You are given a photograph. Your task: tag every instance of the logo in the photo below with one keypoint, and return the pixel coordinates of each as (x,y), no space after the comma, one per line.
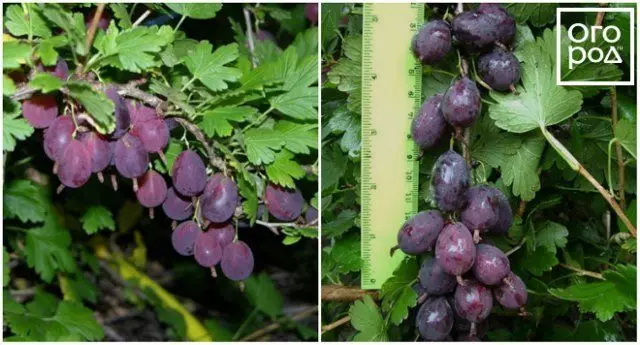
(581,46)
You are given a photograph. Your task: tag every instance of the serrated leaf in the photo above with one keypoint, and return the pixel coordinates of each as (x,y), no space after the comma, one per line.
(333,165)
(98,106)
(46,49)
(120,12)
(210,67)
(23,200)
(14,129)
(48,249)
(539,261)
(250,203)
(46,82)
(283,170)
(14,54)
(261,144)
(134,49)
(341,224)
(78,288)
(520,169)
(367,320)
(96,218)
(551,235)
(625,133)
(262,294)
(8,86)
(347,73)
(540,102)
(23,21)
(218,121)
(346,254)
(196,10)
(43,304)
(299,138)
(397,293)
(539,14)
(299,103)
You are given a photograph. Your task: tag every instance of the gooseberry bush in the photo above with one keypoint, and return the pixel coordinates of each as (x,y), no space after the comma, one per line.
(525,229)
(159,161)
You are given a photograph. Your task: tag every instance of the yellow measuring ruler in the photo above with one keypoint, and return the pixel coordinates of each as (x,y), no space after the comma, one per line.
(391,96)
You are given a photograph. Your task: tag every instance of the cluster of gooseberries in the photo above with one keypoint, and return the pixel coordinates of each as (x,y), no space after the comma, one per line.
(204,204)
(457,286)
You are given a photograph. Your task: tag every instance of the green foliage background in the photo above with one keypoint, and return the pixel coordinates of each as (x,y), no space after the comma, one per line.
(576,257)
(256,111)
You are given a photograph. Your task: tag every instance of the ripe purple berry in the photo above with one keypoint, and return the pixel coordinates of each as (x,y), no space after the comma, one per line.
(429,127)
(418,234)
(432,42)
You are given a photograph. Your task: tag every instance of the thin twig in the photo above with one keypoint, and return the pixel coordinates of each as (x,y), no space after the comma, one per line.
(582,272)
(142,17)
(341,293)
(336,324)
(276,325)
(250,42)
(94,26)
(619,158)
(515,249)
(600,15)
(214,160)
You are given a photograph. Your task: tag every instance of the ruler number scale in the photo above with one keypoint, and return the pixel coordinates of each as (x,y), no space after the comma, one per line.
(391,96)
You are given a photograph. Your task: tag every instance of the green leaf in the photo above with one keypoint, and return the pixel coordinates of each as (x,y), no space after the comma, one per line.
(260,144)
(174,148)
(98,106)
(46,49)
(134,49)
(78,288)
(367,320)
(195,10)
(262,294)
(625,133)
(96,218)
(26,20)
(48,249)
(630,212)
(346,254)
(6,270)
(120,12)
(333,166)
(250,196)
(24,200)
(397,293)
(605,298)
(8,86)
(539,261)
(551,235)
(299,103)
(78,322)
(520,169)
(209,67)
(14,129)
(540,102)
(347,73)
(218,121)
(299,138)
(284,170)
(341,224)
(14,54)
(46,82)
(537,14)
(43,304)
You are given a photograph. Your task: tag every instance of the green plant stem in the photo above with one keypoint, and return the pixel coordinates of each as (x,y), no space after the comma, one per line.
(15,228)
(259,119)
(244,325)
(179,23)
(619,158)
(187,84)
(582,272)
(576,166)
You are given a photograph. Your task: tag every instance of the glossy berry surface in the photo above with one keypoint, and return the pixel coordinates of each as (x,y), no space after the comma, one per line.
(75,165)
(450,181)
(461,103)
(189,174)
(153,133)
(432,42)
(184,237)
(310,215)
(177,207)
(237,261)
(455,250)
(40,110)
(60,70)
(511,293)
(283,203)
(473,301)
(58,136)
(418,234)
(434,280)
(207,250)
(501,20)
(491,264)
(505,214)
(130,156)
(429,127)
(152,189)
(224,233)
(499,69)
(219,199)
(99,149)
(435,319)
(481,212)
